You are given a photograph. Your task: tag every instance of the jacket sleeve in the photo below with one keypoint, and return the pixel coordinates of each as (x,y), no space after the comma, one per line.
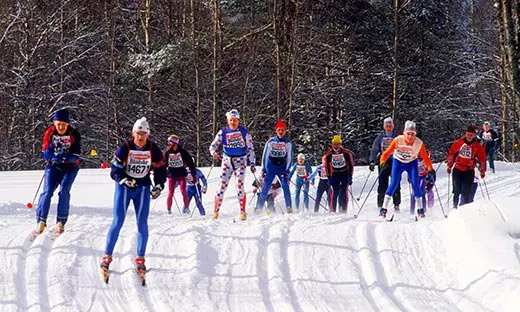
(291,172)
(325,161)
(386,154)
(482,158)
(265,154)
(309,170)
(376,146)
(426,158)
(75,149)
(189,161)
(216,143)
(117,169)
(202,178)
(250,149)
(315,172)
(289,155)
(159,166)
(351,161)
(47,144)
(452,154)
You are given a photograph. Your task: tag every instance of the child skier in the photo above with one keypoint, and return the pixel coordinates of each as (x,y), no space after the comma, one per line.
(303,171)
(426,183)
(195,190)
(323,185)
(274,191)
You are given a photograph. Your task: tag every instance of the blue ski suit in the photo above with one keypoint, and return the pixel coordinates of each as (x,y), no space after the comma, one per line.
(303,172)
(195,190)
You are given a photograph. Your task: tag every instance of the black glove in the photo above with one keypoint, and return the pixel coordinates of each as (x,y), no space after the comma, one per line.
(432,174)
(384,165)
(156,191)
(253,168)
(372,166)
(130,183)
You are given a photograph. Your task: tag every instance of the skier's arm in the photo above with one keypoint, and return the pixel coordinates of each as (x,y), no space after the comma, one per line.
(75,148)
(308,170)
(265,154)
(289,155)
(216,143)
(250,150)
(424,155)
(452,154)
(159,166)
(189,161)
(376,146)
(351,163)
(325,162)
(48,145)
(202,178)
(117,169)
(386,154)
(482,158)
(315,172)
(291,172)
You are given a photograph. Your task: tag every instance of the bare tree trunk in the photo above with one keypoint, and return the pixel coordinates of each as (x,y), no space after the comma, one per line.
(216,56)
(278,74)
(512,57)
(112,107)
(145,23)
(194,45)
(294,51)
(396,67)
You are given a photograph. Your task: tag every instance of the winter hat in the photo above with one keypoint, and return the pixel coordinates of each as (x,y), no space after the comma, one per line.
(280,124)
(472,129)
(141,125)
(388,120)
(173,139)
(62,115)
(409,126)
(486,123)
(233,113)
(300,156)
(336,139)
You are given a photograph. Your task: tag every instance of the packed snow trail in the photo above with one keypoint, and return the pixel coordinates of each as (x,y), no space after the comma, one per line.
(291,262)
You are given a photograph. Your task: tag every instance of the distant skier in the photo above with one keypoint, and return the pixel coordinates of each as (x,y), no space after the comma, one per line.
(405,149)
(178,159)
(339,165)
(303,171)
(380,144)
(490,141)
(323,185)
(195,190)
(238,151)
(61,149)
(133,161)
(276,162)
(463,157)
(426,182)
(274,191)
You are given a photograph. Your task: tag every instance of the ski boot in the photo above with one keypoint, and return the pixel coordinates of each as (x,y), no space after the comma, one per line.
(382,213)
(141,269)
(105,263)
(397,209)
(169,211)
(186,210)
(215,215)
(243,216)
(202,212)
(59,229)
(40,228)
(289,210)
(421,214)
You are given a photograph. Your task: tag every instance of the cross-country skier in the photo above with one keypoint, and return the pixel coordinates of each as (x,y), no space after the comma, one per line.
(339,165)
(489,139)
(131,166)
(405,149)
(380,144)
(61,149)
(195,190)
(275,190)
(303,170)
(178,159)
(323,185)
(276,162)
(238,152)
(463,157)
(426,182)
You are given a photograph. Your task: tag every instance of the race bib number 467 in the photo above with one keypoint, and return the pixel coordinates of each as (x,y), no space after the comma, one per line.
(138,164)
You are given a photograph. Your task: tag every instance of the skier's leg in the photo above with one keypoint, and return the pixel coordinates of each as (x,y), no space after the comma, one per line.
(171,188)
(64,194)
(384,176)
(467,183)
(456,177)
(306,195)
(322,187)
(240,174)
(286,190)
(142,210)
(51,179)
(297,194)
(121,202)
(182,186)
(262,197)
(227,171)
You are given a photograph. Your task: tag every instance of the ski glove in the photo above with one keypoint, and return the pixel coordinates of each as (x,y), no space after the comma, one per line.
(253,168)
(216,156)
(448,170)
(432,175)
(128,182)
(385,165)
(204,190)
(372,166)
(156,191)
(482,174)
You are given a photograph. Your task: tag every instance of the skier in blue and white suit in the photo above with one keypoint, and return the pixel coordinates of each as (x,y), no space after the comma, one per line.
(194,190)
(303,170)
(276,161)
(131,166)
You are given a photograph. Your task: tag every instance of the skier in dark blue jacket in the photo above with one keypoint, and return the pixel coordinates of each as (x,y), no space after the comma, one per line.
(380,144)
(61,149)
(195,190)
(131,167)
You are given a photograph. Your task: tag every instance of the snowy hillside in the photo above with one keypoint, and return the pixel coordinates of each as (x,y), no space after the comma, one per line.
(298,262)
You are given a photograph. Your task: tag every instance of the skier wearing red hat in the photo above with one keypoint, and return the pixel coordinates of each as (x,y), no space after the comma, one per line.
(464,155)
(178,159)
(276,162)
(238,151)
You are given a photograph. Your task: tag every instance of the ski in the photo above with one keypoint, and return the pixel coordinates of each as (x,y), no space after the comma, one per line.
(391,219)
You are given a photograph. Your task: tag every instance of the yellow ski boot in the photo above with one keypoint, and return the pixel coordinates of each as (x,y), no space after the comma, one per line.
(243,216)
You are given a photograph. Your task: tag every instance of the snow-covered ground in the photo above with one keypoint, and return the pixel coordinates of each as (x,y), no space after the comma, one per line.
(300,262)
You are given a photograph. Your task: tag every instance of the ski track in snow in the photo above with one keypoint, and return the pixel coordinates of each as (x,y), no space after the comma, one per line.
(286,262)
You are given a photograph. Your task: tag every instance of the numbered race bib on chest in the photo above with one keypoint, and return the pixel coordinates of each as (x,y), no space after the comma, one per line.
(338,161)
(487,136)
(300,171)
(65,140)
(138,164)
(235,140)
(385,143)
(465,151)
(404,152)
(323,173)
(278,150)
(175,160)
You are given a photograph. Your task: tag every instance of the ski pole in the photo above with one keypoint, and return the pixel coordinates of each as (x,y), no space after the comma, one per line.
(352,195)
(314,199)
(485,186)
(440,201)
(326,209)
(179,209)
(370,191)
(30,205)
(448,201)
(481,189)
(363,188)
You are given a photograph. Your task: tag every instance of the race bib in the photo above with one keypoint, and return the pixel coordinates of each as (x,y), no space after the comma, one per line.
(487,136)
(138,163)
(278,150)
(175,160)
(385,143)
(235,140)
(465,151)
(338,161)
(404,152)
(189,179)
(301,172)
(323,173)
(64,140)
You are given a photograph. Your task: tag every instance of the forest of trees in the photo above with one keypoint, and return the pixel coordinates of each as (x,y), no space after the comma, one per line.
(324,66)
